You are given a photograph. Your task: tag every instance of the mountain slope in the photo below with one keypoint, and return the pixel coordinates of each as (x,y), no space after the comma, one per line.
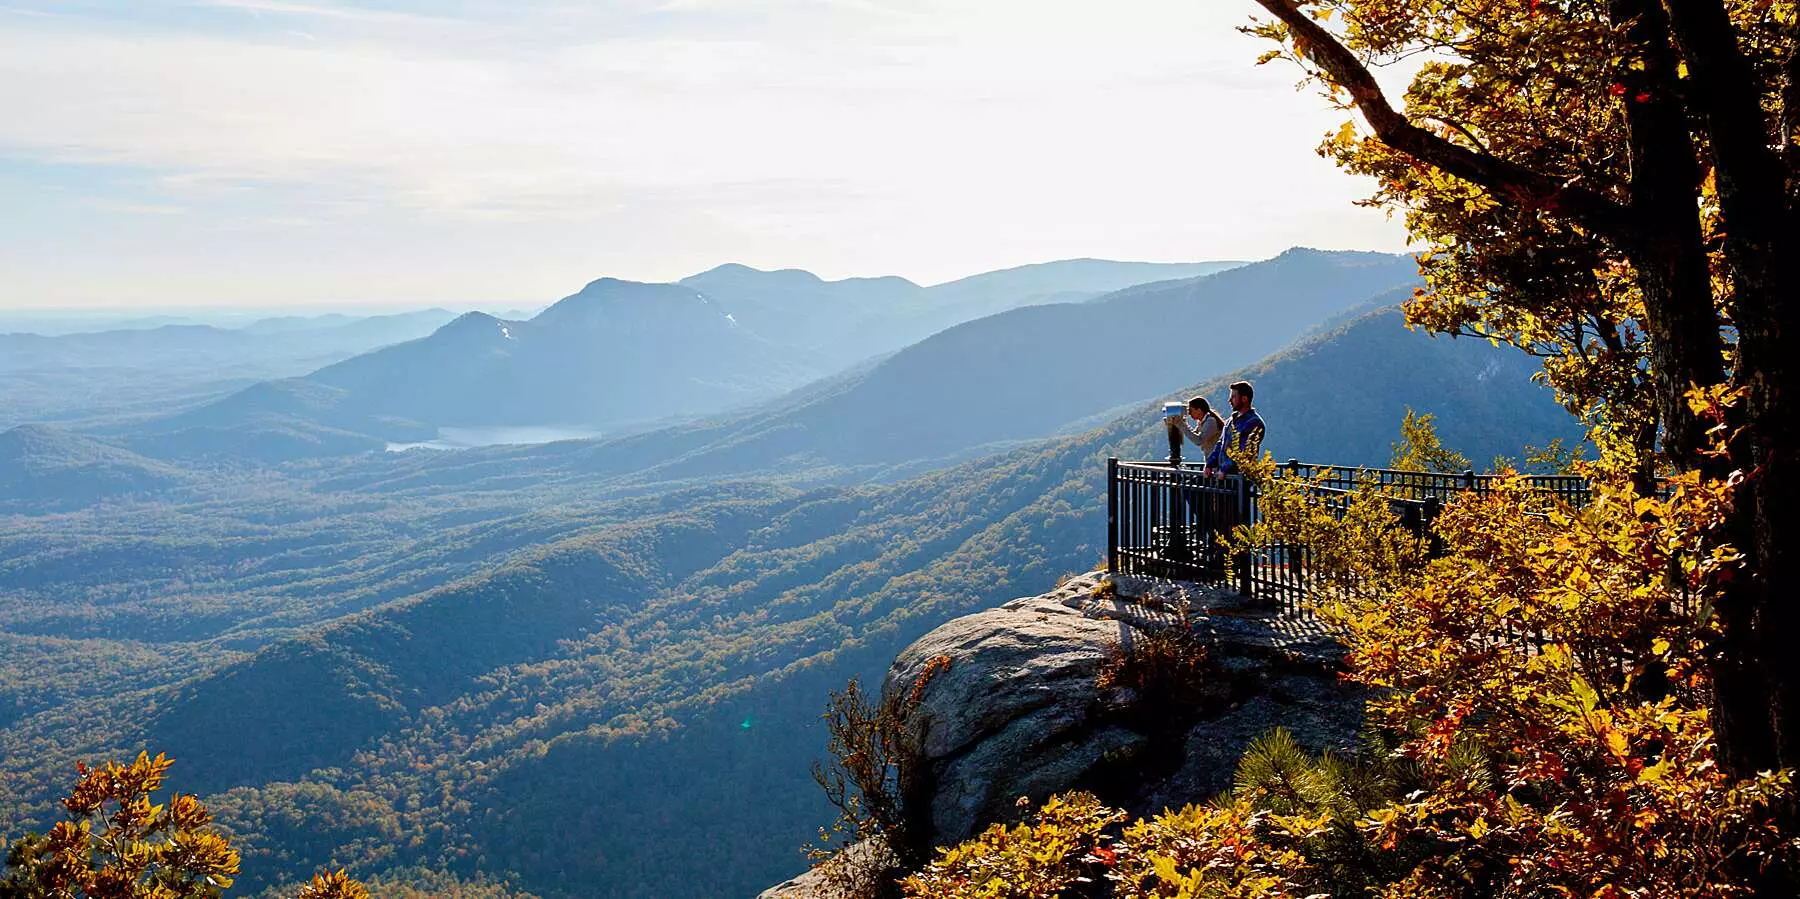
(653,685)
(44,465)
(99,378)
(1041,368)
(837,323)
(614,353)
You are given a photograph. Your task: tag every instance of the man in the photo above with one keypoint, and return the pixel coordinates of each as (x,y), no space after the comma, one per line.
(1206,427)
(1243,435)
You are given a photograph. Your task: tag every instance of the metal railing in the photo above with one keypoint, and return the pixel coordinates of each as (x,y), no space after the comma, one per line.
(1421,485)
(1172,521)
(1165,521)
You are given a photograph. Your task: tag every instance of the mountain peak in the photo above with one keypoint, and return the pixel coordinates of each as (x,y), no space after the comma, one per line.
(614,309)
(609,285)
(473,326)
(736,273)
(1316,254)
(471,319)
(604,296)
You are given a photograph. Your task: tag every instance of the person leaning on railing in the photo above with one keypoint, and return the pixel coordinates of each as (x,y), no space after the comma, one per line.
(1206,425)
(1243,434)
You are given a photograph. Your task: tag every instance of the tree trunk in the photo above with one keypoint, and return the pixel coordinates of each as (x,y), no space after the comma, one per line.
(1790,119)
(1760,610)
(1668,249)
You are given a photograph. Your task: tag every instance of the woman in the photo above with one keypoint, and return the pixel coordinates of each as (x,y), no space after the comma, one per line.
(1206,426)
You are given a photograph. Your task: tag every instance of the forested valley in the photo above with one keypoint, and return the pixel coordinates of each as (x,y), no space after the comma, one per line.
(557,667)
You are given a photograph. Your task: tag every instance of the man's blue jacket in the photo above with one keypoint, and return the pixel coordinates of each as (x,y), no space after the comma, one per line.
(1243,434)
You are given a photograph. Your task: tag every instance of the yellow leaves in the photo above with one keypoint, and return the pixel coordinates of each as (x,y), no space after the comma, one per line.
(1034,860)
(1516,652)
(333,885)
(1587,699)
(1165,869)
(144,850)
(187,813)
(1616,743)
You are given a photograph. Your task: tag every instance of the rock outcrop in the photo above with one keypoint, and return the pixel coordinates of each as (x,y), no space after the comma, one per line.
(1021,709)
(1021,712)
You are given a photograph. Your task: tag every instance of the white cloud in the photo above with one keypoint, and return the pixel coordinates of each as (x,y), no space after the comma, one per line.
(1039,128)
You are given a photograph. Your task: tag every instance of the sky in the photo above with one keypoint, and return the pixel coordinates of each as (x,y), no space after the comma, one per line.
(196,153)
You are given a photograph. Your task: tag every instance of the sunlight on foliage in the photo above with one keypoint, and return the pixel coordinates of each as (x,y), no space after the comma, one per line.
(333,885)
(1061,845)
(1538,717)
(874,781)
(119,844)
(1420,449)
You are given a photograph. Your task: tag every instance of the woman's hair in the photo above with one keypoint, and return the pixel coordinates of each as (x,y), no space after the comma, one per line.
(1200,403)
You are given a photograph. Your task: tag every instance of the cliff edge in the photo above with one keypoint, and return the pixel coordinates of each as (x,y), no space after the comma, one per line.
(1144,692)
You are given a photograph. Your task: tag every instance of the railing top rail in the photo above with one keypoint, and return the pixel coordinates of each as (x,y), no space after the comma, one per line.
(1292,465)
(1165,520)
(1336,472)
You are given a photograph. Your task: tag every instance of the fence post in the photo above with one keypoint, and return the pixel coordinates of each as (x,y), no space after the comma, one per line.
(1245,585)
(1112,515)
(1435,545)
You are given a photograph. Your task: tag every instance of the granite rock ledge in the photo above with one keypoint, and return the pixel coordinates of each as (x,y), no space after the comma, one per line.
(1019,712)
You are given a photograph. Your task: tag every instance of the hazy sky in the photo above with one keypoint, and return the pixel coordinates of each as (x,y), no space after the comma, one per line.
(486,152)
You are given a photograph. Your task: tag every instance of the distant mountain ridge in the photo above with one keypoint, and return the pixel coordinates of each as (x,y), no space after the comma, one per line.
(95,379)
(622,353)
(194,342)
(643,660)
(841,322)
(1040,369)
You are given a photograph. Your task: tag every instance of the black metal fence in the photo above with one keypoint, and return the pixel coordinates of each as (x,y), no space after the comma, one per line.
(1165,521)
(1423,485)
(1172,521)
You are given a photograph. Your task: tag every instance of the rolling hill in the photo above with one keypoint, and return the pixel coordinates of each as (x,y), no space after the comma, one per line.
(1041,369)
(619,355)
(41,465)
(105,378)
(638,669)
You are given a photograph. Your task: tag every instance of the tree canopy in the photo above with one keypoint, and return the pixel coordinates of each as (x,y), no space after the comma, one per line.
(1591,700)
(119,843)
(1610,184)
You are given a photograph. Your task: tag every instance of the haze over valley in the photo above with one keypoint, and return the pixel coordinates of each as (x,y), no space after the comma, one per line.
(899,449)
(481,662)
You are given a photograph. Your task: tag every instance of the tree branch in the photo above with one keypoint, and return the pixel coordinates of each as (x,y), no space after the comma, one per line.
(1506,181)
(1462,130)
